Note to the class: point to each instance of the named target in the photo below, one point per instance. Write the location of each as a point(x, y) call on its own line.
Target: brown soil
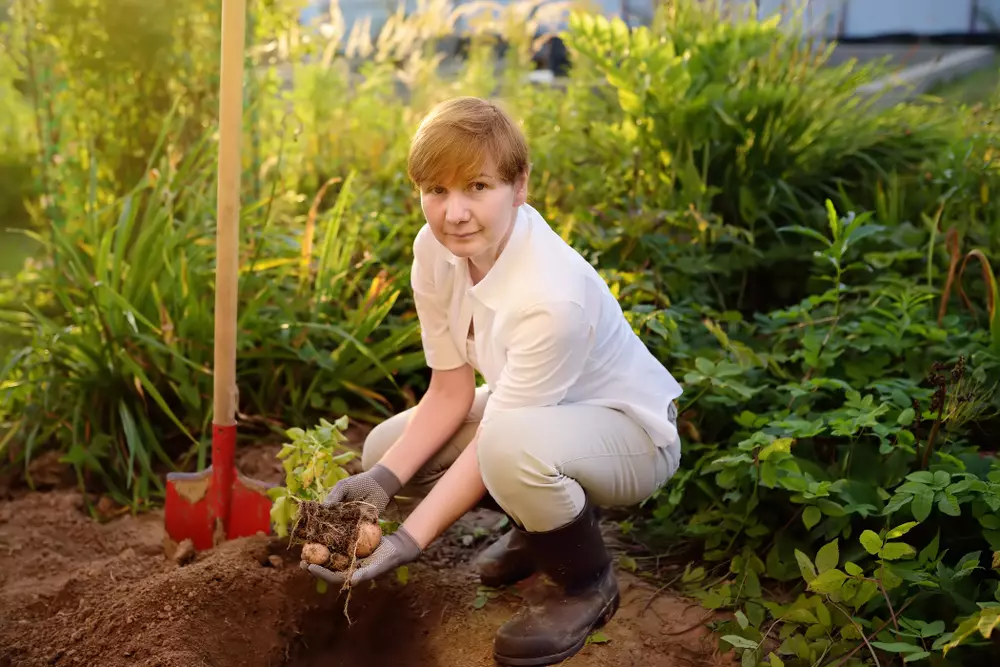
point(74, 591)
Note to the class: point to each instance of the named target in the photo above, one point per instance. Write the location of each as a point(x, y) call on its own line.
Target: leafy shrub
point(820, 434)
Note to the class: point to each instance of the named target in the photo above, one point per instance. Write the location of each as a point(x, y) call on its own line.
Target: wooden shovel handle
point(228, 211)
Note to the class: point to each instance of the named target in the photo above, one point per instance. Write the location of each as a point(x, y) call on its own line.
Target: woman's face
point(472, 219)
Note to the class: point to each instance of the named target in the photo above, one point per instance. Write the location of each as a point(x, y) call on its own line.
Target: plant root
point(339, 528)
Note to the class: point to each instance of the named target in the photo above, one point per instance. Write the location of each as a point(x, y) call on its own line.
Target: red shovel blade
point(217, 503)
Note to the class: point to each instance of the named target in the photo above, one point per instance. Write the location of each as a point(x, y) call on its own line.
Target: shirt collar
point(503, 273)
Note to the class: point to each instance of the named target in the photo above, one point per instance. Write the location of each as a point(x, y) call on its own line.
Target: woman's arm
point(440, 413)
point(457, 492)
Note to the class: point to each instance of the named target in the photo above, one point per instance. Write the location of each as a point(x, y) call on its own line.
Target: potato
point(339, 562)
point(369, 535)
point(317, 554)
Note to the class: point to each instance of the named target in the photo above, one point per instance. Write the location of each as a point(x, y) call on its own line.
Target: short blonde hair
point(458, 136)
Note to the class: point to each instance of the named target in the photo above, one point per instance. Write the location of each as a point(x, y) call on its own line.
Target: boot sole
point(540, 661)
point(509, 579)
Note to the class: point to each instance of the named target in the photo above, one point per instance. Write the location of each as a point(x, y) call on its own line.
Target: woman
point(575, 413)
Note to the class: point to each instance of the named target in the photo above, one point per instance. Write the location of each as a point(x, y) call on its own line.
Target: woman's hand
point(393, 550)
point(376, 487)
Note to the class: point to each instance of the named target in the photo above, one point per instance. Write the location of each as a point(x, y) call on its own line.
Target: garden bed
point(75, 591)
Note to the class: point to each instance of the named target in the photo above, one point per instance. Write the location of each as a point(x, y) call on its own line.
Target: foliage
point(858, 419)
point(803, 259)
point(112, 335)
point(17, 146)
point(312, 467)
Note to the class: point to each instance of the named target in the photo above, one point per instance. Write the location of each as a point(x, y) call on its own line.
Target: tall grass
point(112, 331)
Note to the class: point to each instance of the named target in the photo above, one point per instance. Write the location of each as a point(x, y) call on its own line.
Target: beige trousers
point(538, 463)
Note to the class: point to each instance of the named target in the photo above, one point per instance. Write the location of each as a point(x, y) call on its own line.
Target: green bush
point(853, 415)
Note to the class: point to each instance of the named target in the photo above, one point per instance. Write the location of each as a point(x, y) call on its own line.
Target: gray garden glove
point(376, 486)
point(393, 550)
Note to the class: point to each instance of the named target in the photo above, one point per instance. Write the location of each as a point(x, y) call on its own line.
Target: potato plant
point(313, 465)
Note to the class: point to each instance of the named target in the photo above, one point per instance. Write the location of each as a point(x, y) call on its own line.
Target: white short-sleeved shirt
point(547, 330)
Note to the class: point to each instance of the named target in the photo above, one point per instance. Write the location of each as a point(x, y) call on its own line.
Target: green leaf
point(811, 516)
point(919, 655)
point(922, 504)
point(806, 231)
point(942, 479)
point(768, 474)
point(800, 615)
point(830, 508)
point(932, 629)
point(900, 530)
point(948, 504)
point(853, 570)
point(403, 574)
point(740, 642)
point(828, 557)
point(906, 417)
point(626, 562)
point(779, 446)
point(806, 567)
point(598, 638)
point(871, 542)
point(898, 502)
point(828, 582)
point(705, 366)
point(897, 551)
point(897, 647)
point(866, 591)
point(741, 618)
point(823, 614)
point(751, 585)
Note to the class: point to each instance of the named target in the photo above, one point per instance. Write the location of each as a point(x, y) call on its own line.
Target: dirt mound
point(74, 591)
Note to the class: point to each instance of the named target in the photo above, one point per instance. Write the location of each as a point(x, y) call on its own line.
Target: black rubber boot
point(506, 561)
point(576, 559)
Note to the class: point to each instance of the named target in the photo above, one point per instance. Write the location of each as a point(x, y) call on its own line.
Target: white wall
point(988, 15)
point(868, 18)
point(858, 18)
point(926, 17)
point(820, 17)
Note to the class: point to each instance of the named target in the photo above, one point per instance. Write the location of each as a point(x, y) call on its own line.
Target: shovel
point(219, 503)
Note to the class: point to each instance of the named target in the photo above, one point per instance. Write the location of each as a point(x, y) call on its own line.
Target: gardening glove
point(393, 550)
point(375, 486)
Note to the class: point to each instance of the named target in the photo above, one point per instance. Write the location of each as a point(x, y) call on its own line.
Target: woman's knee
point(380, 439)
point(509, 458)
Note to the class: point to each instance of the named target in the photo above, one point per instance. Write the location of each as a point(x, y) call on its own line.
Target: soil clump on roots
point(348, 531)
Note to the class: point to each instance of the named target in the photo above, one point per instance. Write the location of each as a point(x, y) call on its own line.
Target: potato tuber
point(369, 535)
point(317, 554)
point(339, 562)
